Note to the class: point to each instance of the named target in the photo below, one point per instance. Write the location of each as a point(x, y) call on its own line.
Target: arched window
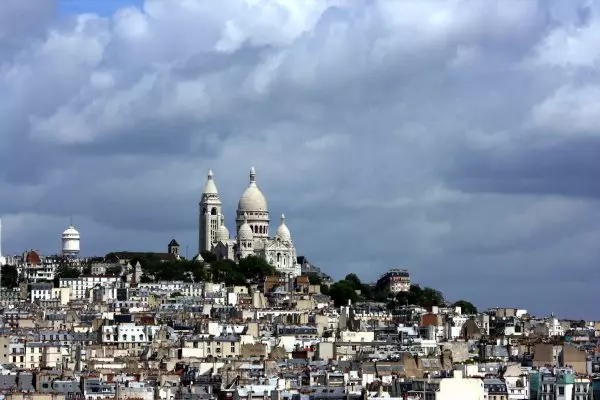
point(213, 211)
point(278, 257)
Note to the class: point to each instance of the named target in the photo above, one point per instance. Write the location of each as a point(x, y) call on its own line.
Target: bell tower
point(210, 214)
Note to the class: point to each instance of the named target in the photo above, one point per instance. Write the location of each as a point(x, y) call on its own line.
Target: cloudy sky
point(458, 139)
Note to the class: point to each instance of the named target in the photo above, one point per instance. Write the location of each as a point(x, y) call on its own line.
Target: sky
point(457, 139)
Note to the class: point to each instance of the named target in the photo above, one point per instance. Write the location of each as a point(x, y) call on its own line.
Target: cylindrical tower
point(71, 242)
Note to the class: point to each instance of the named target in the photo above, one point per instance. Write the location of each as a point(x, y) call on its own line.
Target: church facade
point(252, 229)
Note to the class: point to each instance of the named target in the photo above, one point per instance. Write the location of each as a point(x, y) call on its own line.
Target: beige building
point(219, 347)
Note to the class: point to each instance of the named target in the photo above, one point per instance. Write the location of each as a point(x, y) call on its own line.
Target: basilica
point(252, 229)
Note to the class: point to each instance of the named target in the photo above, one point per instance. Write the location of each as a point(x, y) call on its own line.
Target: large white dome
point(252, 199)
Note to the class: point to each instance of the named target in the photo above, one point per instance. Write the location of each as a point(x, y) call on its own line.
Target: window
point(561, 390)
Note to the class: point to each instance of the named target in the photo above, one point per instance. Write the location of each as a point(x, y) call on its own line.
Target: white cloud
point(570, 111)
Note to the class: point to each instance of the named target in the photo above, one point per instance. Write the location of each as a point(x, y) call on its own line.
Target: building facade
point(394, 281)
point(252, 229)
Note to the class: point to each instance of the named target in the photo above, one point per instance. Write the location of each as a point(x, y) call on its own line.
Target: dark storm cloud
point(456, 139)
point(569, 168)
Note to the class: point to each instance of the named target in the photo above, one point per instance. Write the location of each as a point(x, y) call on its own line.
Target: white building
point(71, 241)
point(129, 335)
point(252, 229)
point(81, 287)
point(33, 267)
point(40, 292)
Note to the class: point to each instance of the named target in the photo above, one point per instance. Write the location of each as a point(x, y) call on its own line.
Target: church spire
point(210, 187)
point(210, 211)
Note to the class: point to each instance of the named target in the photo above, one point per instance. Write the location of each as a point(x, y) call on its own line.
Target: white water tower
point(70, 241)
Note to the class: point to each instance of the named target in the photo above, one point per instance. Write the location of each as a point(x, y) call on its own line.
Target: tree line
point(351, 289)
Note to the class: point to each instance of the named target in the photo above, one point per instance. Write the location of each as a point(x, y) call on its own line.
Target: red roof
point(32, 258)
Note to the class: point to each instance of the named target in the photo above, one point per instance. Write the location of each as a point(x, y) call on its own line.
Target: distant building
point(173, 247)
point(71, 241)
point(252, 229)
point(125, 257)
point(394, 281)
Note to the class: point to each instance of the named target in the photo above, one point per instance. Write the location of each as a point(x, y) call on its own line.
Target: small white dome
point(252, 199)
point(71, 232)
point(245, 232)
point(222, 232)
point(210, 187)
point(283, 232)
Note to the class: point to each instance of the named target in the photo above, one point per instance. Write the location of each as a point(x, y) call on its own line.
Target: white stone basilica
point(252, 228)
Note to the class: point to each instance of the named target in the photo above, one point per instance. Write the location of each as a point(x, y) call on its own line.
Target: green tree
point(432, 297)
point(465, 307)
point(342, 291)
point(256, 267)
point(314, 279)
point(208, 256)
point(176, 294)
point(226, 271)
point(64, 270)
point(10, 276)
point(354, 281)
point(424, 297)
point(87, 269)
point(414, 296)
point(114, 270)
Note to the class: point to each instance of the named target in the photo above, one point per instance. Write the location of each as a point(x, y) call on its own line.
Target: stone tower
point(210, 215)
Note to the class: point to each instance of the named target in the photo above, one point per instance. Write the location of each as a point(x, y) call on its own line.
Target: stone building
point(252, 229)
